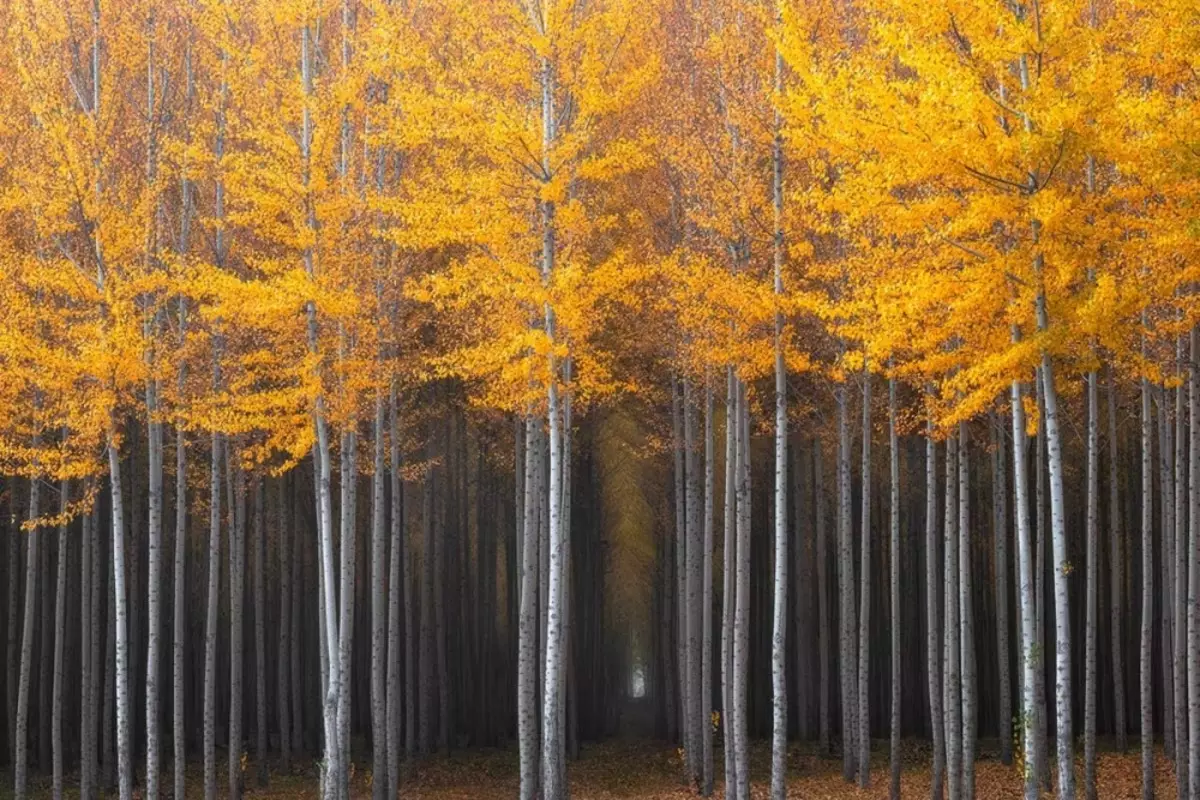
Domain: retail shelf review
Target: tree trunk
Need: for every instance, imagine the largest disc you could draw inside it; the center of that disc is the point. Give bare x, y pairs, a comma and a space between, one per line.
1030, 652
87, 747
286, 643
210, 625
1116, 562
154, 594
693, 561
1193, 585
1147, 697
846, 616
893, 447
1093, 512
1180, 580
345, 638
728, 533
1174, 706
124, 751
21, 746
966, 616
237, 592
179, 610
392, 726
260, 639
11, 651
863, 723
379, 766
527, 720
741, 621
681, 569
933, 634
706, 601
60, 630
952, 698
779, 622
1064, 730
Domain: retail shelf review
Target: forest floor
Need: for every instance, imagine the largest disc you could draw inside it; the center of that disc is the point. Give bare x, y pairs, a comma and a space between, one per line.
648, 770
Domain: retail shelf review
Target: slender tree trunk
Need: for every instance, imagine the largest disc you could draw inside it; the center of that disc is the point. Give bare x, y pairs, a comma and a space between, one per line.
741, 622
179, 611
1093, 522
87, 747
933, 634
1180, 580
392, 726
21, 747
426, 669
210, 625
1030, 652
1116, 562
706, 728
681, 568
694, 538
1193, 585
123, 706
1064, 730
894, 452
440, 633
1147, 697
60, 631
1174, 706
260, 638
345, 639
108, 712
11, 642
527, 719
863, 722
847, 615
154, 581
379, 744
966, 616
1041, 721
237, 591
286, 643
823, 724
779, 622
952, 699
732, 437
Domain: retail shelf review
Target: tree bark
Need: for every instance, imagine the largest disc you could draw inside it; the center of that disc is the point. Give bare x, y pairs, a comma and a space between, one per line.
933, 634
21, 744
124, 751
741, 622
1147, 697
60, 631
260, 638
179, 610
847, 613
952, 687
894, 508
1193, 585
706, 602
286, 643
966, 616
393, 722
379, 745
863, 723
1093, 512
237, 592
1116, 562
87, 630
1030, 652
728, 533
527, 721
210, 625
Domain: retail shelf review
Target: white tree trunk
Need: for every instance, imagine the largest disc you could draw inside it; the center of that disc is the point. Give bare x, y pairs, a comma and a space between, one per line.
1147, 696
393, 722
741, 622
1000, 583
283, 661
933, 634
952, 686
863, 723
729, 556
823, 724
21, 744
1093, 522
706, 728
237, 598
210, 623
527, 719
1116, 556
379, 764
894, 575
966, 616
60, 631
260, 638
847, 613
1193, 584
1030, 652
691, 606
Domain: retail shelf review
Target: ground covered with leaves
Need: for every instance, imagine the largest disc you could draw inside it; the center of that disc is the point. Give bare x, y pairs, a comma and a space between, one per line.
651, 770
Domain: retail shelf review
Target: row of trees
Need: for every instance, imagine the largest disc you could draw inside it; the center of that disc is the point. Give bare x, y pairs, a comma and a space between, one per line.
324, 252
